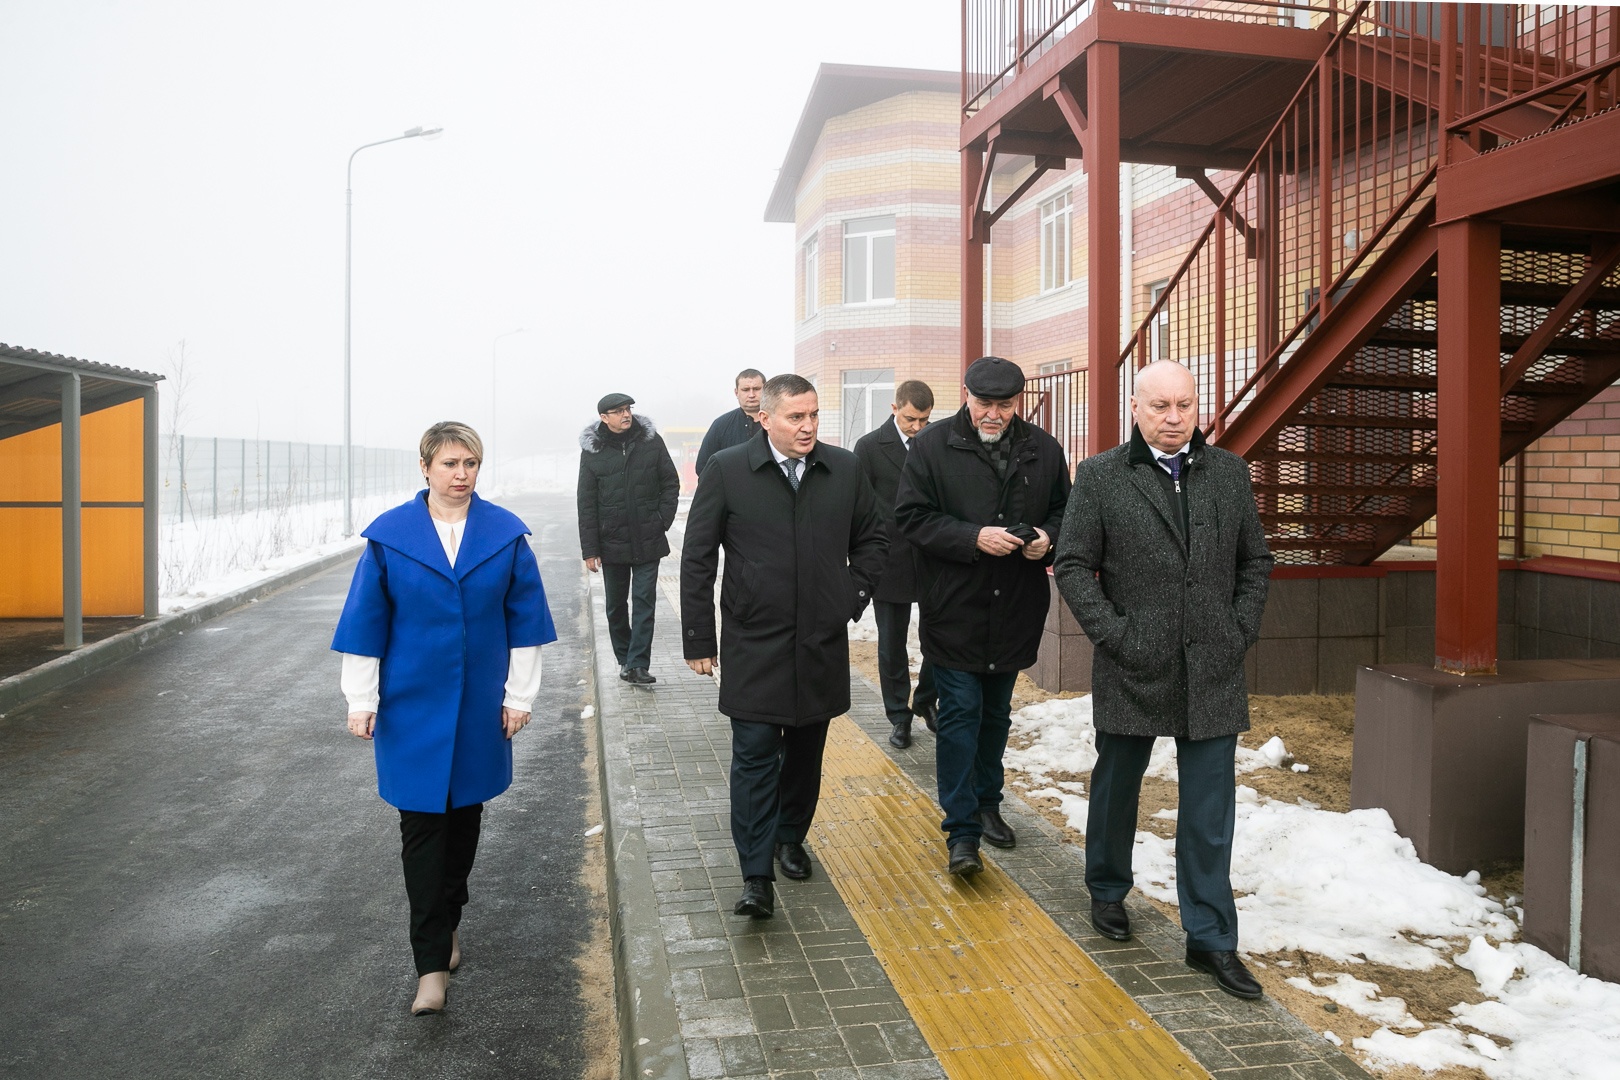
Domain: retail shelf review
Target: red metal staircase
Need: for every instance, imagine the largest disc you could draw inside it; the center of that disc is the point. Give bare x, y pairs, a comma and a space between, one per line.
1309, 306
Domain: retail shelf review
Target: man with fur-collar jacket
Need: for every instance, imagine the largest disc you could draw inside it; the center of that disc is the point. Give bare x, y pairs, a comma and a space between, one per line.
628, 489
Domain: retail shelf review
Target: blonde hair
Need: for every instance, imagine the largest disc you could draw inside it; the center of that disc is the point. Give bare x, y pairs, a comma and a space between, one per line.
445, 432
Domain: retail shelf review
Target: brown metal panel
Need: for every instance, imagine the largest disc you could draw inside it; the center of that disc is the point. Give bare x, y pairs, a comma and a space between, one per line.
1470, 447
972, 258
1102, 247
1573, 158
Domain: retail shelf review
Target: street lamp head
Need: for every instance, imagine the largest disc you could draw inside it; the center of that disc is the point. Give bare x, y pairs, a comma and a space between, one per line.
420, 132
432, 133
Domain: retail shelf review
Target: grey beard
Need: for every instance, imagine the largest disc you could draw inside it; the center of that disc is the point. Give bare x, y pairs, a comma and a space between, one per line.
988, 439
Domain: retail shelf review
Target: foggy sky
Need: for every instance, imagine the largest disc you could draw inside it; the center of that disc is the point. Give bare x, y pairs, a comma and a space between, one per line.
175, 171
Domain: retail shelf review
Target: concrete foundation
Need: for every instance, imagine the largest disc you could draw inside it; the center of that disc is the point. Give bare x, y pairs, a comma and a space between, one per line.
1445, 754
1550, 810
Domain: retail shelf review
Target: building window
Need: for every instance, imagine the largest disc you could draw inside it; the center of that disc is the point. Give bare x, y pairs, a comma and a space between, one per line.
1159, 330
869, 260
867, 395
1052, 367
812, 276
1055, 243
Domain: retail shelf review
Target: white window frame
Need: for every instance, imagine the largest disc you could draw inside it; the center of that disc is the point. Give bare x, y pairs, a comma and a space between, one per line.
867, 401
812, 277
862, 249
1057, 242
1159, 329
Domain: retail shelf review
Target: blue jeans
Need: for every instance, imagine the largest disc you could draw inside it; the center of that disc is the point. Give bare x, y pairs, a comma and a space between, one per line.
632, 593
1204, 826
975, 712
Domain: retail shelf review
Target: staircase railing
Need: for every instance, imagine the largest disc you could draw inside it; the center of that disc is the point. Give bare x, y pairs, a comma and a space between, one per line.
1346, 165
1563, 58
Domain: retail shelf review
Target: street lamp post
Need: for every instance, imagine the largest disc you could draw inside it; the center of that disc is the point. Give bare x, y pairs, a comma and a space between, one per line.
494, 400
348, 264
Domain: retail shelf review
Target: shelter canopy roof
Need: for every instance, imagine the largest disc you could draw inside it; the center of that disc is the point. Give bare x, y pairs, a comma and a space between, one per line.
30, 382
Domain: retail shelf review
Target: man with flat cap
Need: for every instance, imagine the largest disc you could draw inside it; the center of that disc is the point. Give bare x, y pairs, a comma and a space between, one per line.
981, 498
628, 488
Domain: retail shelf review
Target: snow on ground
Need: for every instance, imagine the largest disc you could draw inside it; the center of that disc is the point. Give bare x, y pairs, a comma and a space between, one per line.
1349, 888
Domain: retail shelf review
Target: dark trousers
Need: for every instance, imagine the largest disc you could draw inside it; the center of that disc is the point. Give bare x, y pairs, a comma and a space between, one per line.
975, 713
1204, 823
775, 783
632, 593
438, 851
894, 665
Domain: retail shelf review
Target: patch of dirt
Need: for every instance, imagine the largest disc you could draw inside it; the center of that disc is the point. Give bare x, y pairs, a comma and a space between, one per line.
595, 961
1319, 731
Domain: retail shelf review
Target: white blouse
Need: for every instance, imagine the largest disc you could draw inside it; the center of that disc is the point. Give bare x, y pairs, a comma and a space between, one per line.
362, 674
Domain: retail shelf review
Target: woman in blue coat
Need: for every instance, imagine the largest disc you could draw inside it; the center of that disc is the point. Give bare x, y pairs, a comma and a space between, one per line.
441, 638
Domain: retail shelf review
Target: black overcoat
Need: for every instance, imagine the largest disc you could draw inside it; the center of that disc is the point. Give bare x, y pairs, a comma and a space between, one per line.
799, 567
628, 491
1170, 623
882, 454
980, 612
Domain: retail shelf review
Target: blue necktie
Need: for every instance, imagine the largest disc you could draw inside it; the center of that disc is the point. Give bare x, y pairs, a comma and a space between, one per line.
1176, 463
791, 467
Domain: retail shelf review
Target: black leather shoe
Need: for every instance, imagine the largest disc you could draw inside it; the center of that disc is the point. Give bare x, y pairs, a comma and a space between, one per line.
900, 737
965, 859
794, 861
640, 676
997, 833
930, 716
624, 674
758, 900
1230, 974
1110, 919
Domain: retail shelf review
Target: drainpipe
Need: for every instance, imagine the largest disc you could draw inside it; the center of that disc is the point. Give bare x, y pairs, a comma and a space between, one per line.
989, 296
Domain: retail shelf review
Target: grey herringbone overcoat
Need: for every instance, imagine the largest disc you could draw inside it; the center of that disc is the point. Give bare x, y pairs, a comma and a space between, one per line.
1170, 623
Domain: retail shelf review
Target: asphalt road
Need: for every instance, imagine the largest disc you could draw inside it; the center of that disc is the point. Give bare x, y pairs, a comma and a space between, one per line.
197, 878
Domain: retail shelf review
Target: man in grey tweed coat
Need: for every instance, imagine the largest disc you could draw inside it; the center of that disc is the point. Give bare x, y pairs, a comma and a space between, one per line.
1163, 560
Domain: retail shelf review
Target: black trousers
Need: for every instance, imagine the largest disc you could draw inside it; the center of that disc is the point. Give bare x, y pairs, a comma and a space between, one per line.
775, 784
894, 666
631, 596
437, 851
1204, 826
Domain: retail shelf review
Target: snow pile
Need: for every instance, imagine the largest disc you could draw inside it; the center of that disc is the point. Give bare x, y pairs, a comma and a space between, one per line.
1360, 997
1348, 887
1061, 739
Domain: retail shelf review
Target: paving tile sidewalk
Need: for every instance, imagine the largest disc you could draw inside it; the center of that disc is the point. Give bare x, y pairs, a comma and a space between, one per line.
801, 997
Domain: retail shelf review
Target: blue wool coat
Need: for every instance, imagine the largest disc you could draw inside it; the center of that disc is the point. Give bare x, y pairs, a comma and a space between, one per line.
444, 636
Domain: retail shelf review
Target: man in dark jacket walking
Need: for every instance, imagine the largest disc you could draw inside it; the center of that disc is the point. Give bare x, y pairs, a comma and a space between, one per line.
804, 548
740, 424
1164, 562
628, 488
981, 497
883, 455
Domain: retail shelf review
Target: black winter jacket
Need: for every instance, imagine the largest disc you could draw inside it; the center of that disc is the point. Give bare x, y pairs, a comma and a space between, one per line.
979, 612
627, 494
729, 429
800, 565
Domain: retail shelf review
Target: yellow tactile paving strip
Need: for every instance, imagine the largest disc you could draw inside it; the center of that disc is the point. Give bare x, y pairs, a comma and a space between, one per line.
997, 989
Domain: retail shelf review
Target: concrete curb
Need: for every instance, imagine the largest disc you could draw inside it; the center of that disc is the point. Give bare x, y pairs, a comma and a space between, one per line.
24, 687
650, 1043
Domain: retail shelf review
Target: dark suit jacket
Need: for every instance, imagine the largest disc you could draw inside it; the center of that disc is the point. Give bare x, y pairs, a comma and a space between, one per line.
729, 429
1170, 622
882, 454
799, 567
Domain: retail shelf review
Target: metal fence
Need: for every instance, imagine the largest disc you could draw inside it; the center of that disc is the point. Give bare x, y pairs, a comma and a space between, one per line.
205, 477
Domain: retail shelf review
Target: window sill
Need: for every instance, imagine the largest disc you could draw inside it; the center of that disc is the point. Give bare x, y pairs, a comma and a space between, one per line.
887, 302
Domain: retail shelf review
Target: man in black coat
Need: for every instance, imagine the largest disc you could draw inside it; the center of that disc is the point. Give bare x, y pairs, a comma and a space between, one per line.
628, 488
1164, 562
883, 455
740, 424
804, 548
981, 497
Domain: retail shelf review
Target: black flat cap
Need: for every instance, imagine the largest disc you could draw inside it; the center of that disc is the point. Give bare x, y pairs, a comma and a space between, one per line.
614, 401
994, 379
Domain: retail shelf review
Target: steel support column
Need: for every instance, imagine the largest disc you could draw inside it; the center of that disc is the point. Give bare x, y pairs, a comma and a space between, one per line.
150, 483
72, 519
972, 258
1101, 161
1470, 435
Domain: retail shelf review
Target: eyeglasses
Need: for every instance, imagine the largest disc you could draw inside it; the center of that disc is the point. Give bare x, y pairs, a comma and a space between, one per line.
622, 410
